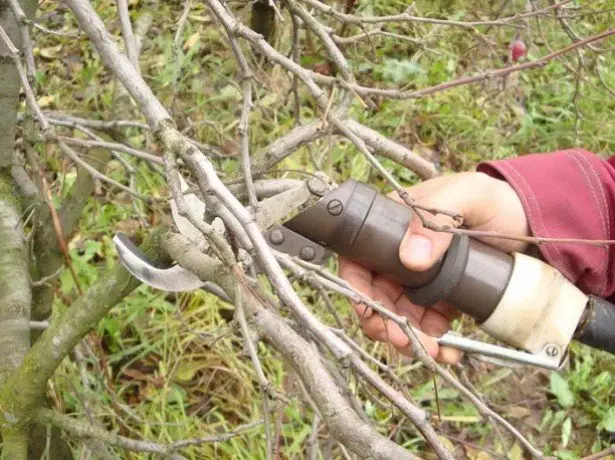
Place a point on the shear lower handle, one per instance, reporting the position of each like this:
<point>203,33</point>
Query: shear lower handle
<point>597,328</point>
<point>539,310</point>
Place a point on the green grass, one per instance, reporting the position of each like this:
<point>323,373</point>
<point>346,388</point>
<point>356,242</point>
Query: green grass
<point>171,368</point>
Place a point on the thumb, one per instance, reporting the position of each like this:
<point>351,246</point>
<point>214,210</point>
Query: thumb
<point>421,248</point>
<point>463,194</point>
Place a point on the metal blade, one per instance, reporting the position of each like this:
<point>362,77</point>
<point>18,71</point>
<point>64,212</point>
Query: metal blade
<point>281,207</point>
<point>171,279</point>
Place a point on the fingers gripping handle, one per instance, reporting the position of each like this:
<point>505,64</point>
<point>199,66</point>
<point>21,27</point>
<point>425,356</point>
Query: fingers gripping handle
<point>356,221</point>
<point>538,312</point>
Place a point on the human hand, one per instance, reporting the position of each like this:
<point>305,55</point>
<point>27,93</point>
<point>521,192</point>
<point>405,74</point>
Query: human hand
<point>486,204</point>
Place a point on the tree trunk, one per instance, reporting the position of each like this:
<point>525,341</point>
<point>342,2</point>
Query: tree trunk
<point>15,292</point>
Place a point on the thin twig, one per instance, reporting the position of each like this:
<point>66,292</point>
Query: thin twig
<point>483,76</point>
<point>405,17</point>
<point>116,146</point>
<point>243,126</point>
<point>46,30</point>
<point>27,46</point>
<point>57,223</point>
<point>69,152</point>
<point>39,325</point>
<point>181,24</point>
<point>69,121</point>
<point>265,386</point>
<point>601,454</point>
<point>129,39</point>
<point>83,430</point>
<point>45,279</point>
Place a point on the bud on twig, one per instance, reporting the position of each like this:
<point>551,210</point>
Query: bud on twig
<point>517,49</point>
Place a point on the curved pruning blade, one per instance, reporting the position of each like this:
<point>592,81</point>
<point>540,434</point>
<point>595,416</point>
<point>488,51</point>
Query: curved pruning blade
<point>172,279</point>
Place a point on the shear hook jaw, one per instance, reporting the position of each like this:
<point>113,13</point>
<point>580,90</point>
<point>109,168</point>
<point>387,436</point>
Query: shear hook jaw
<point>172,279</point>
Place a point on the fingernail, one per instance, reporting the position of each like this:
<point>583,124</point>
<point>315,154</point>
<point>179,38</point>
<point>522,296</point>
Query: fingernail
<point>416,249</point>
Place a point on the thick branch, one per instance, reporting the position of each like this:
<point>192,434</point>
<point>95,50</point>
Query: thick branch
<point>302,135</point>
<point>26,385</point>
<point>9,80</point>
<point>15,299</point>
<point>345,424</point>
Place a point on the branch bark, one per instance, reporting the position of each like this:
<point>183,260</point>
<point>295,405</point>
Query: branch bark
<point>344,423</point>
<point>49,257</point>
<point>15,303</point>
<point>284,146</point>
<point>15,293</point>
<point>25,387</point>
<point>82,429</point>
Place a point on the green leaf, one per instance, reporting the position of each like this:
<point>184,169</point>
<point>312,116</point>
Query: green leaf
<point>566,455</point>
<point>566,431</point>
<point>561,390</point>
<point>608,421</point>
<point>398,71</point>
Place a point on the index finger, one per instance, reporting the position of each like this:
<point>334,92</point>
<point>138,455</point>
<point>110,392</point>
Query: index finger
<point>361,279</point>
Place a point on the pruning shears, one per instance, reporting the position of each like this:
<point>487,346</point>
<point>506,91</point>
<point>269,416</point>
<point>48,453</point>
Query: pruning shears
<point>517,299</point>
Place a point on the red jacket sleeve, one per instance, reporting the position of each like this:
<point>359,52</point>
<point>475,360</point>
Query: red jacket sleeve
<point>568,194</point>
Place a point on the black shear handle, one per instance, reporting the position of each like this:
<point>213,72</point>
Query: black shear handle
<point>597,329</point>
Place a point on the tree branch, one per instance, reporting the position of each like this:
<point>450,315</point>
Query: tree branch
<point>26,386</point>
<point>129,38</point>
<point>81,429</point>
<point>15,303</point>
<point>345,425</point>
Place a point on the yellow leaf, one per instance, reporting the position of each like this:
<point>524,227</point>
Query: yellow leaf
<point>149,392</point>
<point>462,418</point>
<point>476,454</point>
<point>518,412</point>
<point>51,52</point>
<point>45,101</point>
<point>191,41</point>
<point>516,453</point>
<point>200,18</point>
<point>186,370</point>
<point>447,443</point>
